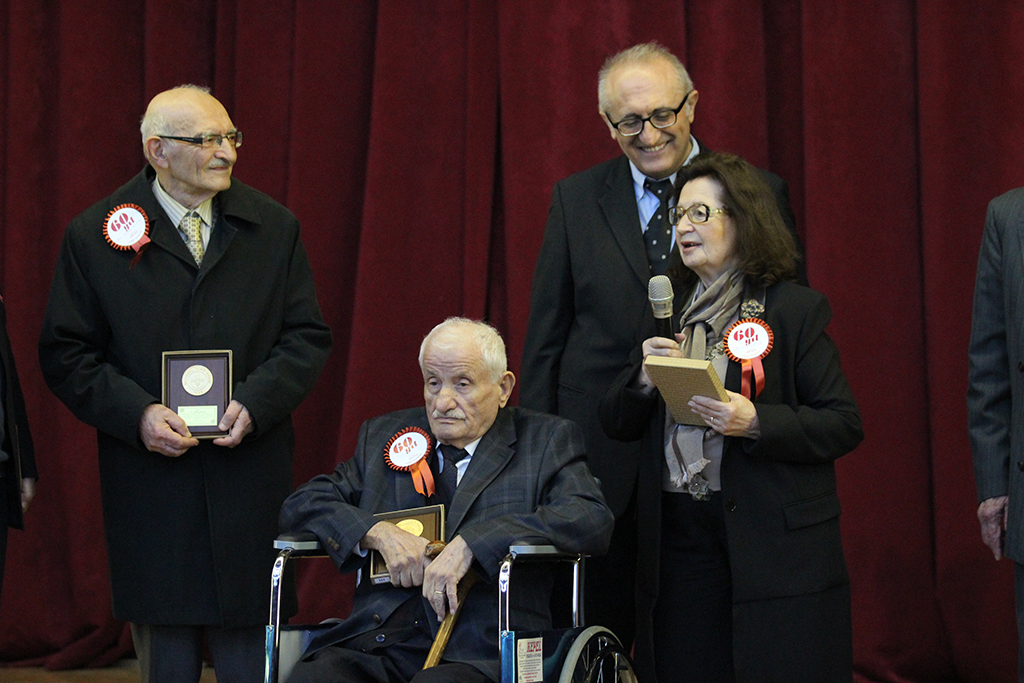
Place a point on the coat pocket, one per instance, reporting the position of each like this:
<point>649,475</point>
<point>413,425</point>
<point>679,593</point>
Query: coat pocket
<point>805,513</point>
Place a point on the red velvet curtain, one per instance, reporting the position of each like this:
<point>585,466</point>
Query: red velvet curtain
<point>418,142</point>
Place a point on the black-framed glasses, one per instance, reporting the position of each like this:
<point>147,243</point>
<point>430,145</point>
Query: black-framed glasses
<point>634,125</point>
<point>234,138</point>
<point>697,213</point>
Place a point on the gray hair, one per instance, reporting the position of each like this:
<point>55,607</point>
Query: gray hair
<point>489,341</point>
<point>644,53</point>
<point>155,123</point>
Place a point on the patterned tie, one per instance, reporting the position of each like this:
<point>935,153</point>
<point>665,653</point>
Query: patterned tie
<point>192,226</point>
<point>659,231</point>
<point>449,477</point>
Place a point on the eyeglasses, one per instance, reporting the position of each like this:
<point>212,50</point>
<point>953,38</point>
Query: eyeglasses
<point>634,125</point>
<point>234,138</point>
<point>698,213</point>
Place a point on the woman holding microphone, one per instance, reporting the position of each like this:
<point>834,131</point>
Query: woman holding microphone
<point>741,574</point>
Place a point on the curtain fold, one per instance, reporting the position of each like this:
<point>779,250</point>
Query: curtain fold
<point>418,144</point>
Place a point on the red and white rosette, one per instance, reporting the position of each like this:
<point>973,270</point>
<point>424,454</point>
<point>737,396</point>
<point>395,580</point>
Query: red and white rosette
<point>747,341</point>
<point>408,451</point>
<point>127,227</point>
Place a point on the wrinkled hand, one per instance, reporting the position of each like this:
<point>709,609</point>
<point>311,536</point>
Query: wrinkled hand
<point>738,417</point>
<point>236,422</point>
<point>402,551</point>
<point>442,576</point>
<point>658,346</point>
<point>992,515</point>
<point>163,431</point>
<point>28,492</point>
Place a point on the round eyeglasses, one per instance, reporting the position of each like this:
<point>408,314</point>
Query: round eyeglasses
<point>234,138</point>
<point>697,213</point>
<point>634,125</point>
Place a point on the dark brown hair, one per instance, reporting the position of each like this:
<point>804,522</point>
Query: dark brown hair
<point>767,251</point>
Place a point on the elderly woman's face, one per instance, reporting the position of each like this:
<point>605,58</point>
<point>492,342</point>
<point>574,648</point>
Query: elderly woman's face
<point>708,249</point>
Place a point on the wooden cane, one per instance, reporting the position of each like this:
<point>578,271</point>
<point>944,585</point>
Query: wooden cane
<point>444,631</point>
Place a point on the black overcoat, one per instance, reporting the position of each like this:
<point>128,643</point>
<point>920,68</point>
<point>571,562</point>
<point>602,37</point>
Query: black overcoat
<point>189,539</point>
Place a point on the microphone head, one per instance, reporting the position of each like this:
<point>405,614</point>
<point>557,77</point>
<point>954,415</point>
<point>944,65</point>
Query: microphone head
<point>659,292</point>
<point>659,288</point>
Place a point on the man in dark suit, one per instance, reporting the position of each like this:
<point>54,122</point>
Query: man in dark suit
<point>995,401</point>
<point>517,476</point>
<point>17,457</point>
<point>607,234</point>
<point>185,257</point>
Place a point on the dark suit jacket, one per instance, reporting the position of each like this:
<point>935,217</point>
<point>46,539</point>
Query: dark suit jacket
<point>995,394</point>
<point>589,310</point>
<point>527,481</point>
<point>189,539</point>
<point>779,492</point>
<point>21,463</point>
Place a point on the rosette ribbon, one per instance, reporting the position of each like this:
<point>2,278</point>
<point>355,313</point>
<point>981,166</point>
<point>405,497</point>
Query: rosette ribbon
<point>408,451</point>
<point>747,341</point>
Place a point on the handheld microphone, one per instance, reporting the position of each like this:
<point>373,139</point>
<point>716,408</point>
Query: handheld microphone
<point>659,292</point>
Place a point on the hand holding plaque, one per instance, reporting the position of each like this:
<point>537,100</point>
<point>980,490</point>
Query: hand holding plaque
<point>197,386</point>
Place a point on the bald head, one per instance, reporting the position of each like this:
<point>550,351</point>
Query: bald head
<point>189,172</point>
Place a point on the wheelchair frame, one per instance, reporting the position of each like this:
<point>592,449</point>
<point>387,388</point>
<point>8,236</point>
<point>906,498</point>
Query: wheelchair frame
<point>588,651</point>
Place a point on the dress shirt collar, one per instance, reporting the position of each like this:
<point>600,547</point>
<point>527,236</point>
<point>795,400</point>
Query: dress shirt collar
<point>639,178</point>
<point>175,211</point>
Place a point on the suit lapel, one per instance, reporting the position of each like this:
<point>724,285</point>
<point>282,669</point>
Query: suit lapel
<point>618,203</point>
<point>492,455</point>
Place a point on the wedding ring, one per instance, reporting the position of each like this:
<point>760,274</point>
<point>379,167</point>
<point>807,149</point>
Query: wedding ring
<point>712,419</point>
<point>439,591</point>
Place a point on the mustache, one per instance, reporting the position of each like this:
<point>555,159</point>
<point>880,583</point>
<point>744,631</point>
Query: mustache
<point>453,414</point>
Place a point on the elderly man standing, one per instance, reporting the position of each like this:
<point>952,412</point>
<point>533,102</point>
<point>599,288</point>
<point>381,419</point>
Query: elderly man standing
<point>607,233</point>
<point>184,257</point>
<point>515,475</point>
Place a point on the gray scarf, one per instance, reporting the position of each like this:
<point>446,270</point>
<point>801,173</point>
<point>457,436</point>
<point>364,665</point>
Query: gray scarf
<point>703,324</point>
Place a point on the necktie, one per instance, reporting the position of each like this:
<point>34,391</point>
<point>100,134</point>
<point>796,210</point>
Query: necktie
<point>449,477</point>
<point>192,226</point>
<point>659,231</point>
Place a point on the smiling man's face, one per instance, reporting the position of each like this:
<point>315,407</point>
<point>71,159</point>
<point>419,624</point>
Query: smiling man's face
<point>639,90</point>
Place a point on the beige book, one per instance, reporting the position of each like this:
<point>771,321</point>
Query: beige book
<point>680,379</point>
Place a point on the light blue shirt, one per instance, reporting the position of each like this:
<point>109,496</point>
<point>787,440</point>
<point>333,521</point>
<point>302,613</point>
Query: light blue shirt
<point>646,201</point>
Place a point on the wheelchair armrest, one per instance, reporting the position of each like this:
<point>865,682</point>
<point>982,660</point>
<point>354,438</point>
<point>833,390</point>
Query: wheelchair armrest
<point>540,552</point>
<point>300,544</point>
<point>527,551</point>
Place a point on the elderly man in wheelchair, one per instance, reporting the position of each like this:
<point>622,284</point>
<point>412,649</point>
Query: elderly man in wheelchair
<point>491,476</point>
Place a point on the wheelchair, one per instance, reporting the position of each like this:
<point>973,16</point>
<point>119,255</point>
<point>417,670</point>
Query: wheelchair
<point>570,655</point>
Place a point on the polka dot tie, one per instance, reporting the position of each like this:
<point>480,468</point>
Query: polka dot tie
<point>659,230</point>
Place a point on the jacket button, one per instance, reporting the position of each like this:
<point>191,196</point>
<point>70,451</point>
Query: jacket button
<point>376,618</point>
<point>1020,465</point>
<point>380,637</point>
<point>1020,366</point>
<point>730,505</point>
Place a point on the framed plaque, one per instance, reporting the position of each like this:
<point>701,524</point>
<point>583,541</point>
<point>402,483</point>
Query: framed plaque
<point>427,522</point>
<point>197,386</point>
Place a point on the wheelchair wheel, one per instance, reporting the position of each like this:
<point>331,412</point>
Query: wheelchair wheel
<point>597,657</point>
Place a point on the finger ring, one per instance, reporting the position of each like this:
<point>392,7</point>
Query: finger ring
<point>712,419</point>
<point>439,591</point>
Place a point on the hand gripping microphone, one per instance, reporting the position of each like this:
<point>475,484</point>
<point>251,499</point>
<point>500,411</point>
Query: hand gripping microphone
<point>659,292</point>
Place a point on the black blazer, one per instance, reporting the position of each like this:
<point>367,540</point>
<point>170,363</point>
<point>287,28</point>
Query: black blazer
<point>589,310</point>
<point>779,492</point>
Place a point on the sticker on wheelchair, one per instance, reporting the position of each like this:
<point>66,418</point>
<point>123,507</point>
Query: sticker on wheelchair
<point>530,660</point>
